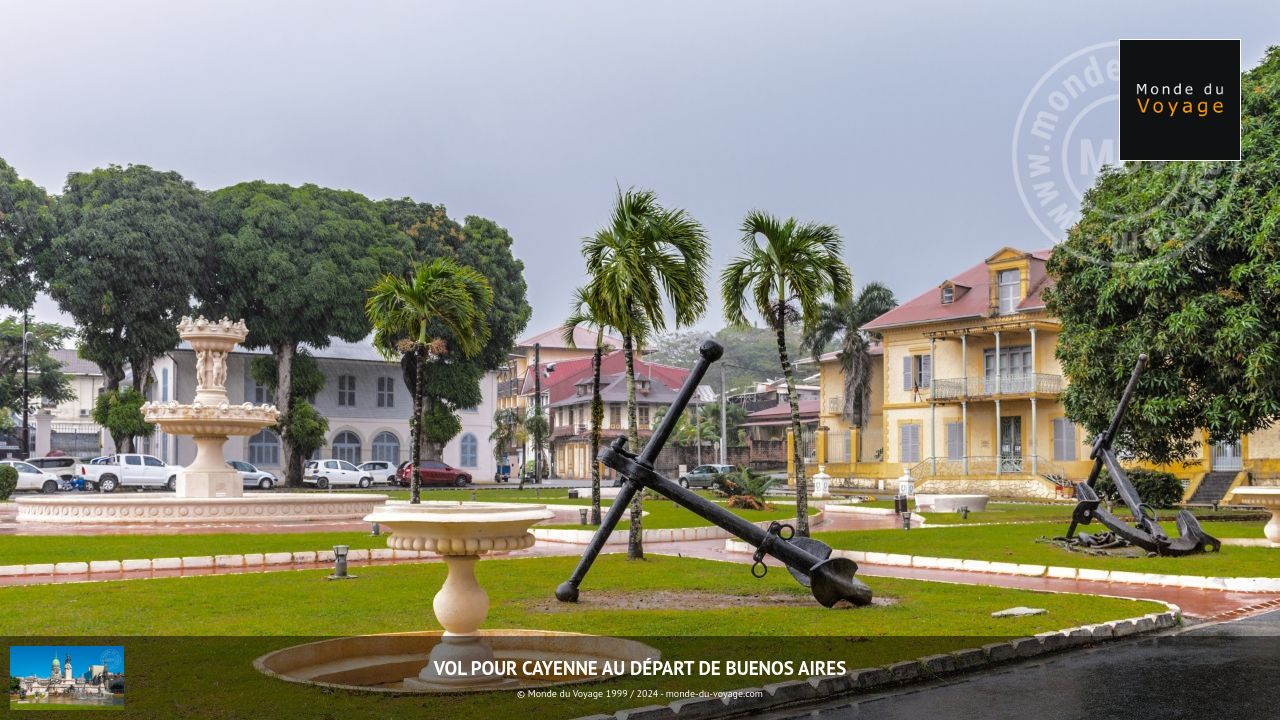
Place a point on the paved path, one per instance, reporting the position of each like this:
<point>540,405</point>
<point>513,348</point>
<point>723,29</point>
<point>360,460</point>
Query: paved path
<point>1209,672</point>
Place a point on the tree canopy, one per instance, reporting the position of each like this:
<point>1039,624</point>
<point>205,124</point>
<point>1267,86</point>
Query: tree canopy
<point>44,373</point>
<point>1180,261</point>
<point>26,224</point>
<point>131,245</point>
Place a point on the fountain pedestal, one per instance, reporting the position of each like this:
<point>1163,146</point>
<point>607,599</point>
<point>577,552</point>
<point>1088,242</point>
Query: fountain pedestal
<point>460,533</point>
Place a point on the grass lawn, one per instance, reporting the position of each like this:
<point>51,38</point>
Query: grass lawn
<point>1009,512</point>
<point>60,707</point>
<point>1018,543</point>
<point>663,514</point>
<point>243,616</point>
<point>30,549</point>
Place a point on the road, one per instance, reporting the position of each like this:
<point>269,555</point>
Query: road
<point>1212,672</point>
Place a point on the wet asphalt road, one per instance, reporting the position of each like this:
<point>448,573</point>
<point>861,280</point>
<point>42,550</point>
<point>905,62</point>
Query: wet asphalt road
<point>1220,672</point>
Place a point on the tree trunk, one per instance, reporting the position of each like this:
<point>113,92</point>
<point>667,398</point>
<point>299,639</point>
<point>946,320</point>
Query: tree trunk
<point>284,403</point>
<point>635,538</point>
<point>142,372</point>
<point>415,427</point>
<point>797,432</point>
<point>597,417</point>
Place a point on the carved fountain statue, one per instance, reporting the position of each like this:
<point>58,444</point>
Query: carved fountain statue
<point>208,490</point>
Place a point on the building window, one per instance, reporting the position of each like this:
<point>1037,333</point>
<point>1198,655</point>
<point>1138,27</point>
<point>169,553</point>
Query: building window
<point>386,392</point>
<point>264,448</point>
<point>955,441</point>
<point>164,385</point>
<point>346,446</point>
<point>615,416</point>
<point>1009,287</point>
<point>917,372</point>
<point>346,390</point>
<point>260,396</point>
<point>642,416</point>
<point>386,447</point>
<point>1064,439</point>
<point>468,447</point>
<point>948,295</point>
<point>909,443</point>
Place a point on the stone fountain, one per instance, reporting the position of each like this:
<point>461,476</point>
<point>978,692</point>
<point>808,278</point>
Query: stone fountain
<point>486,660</point>
<point>208,491</point>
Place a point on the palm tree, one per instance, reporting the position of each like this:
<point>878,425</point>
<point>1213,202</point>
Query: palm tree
<point>586,311</point>
<point>786,277</point>
<point>504,433</point>
<point>407,313</point>
<point>844,320</point>
<point>645,258</point>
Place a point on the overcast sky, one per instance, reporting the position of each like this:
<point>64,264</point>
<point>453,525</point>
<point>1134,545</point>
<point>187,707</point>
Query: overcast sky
<point>892,120</point>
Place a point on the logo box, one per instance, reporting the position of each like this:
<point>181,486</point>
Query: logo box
<point>1179,100</point>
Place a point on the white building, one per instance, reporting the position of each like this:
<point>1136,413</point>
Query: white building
<point>364,399</point>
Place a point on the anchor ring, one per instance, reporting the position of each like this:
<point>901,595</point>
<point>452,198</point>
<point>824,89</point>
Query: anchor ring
<point>764,570</point>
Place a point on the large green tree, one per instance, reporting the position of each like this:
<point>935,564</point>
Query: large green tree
<point>295,264</point>
<point>646,258</point>
<point>843,321</point>
<point>44,379</point>
<point>307,427</point>
<point>485,247</point>
<point>1180,261</point>
<point>404,311</point>
<point>785,271</point>
<point>26,224</point>
<point>132,243</point>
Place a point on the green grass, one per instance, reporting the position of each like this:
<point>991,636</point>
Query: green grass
<point>1011,512</point>
<point>30,549</point>
<point>664,514</point>
<point>1018,543</point>
<point>62,707</point>
<point>213,677</point>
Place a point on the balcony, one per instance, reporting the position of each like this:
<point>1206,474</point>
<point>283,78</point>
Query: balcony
<point>989,388</point>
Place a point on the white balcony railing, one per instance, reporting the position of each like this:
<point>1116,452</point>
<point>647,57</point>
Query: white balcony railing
<point>1020,384</point>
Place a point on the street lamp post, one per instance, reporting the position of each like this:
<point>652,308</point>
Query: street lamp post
<point>26,390</point>
<point>723,433</point>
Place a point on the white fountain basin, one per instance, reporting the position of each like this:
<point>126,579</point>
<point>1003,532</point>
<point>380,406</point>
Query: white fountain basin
<point>1266,497</point>
<point>168,508</point>
<point>459,528</point>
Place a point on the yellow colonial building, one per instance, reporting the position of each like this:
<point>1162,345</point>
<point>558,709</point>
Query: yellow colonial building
<point>965,398</point>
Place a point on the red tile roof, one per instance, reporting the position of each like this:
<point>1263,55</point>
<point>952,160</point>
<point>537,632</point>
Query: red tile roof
<point>782,412</point>
<point>559,383</point>
<point>971,303</point>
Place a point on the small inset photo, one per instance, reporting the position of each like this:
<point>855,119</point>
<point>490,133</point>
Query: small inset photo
<point>66,677</point>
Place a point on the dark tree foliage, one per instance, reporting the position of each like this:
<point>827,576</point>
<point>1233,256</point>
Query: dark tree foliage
<point>1180,261</point>
<point>45,378</point>
<point>120,412</point>
<point>26,224</point>
<point>131,245</point>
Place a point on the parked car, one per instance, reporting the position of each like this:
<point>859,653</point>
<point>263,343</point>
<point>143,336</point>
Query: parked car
<point>63,466</point>
<point>435,472</point>
<point>131,470</point>
<point>324,473</point>
<point>31,477</point>
<point>252,476</point>
<point>381,470</point>
<point>703,476</point>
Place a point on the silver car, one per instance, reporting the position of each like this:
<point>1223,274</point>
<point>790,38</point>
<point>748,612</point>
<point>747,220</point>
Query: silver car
<point>704,475</point>
<point>381,470</point>
<point>252,476</point>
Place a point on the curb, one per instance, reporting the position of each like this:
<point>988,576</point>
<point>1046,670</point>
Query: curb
<point>108,568</point>
<point>619,537</point>
<point>751,701</point>
<point>1232,584</point>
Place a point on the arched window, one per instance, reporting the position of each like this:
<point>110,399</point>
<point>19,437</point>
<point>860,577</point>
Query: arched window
<point>264,448</point>
<point>386,446</point>
<point>468,451</point>
<point>346,446</point>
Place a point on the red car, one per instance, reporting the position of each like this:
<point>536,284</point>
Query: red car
<point>434,472</point>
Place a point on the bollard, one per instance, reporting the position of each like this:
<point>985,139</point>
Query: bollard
<point>964,512</point>
<point>376,531</point>
<point>906,520</point>
<point>583,515</point>
<point>473,495</point>
<point>340,563</point>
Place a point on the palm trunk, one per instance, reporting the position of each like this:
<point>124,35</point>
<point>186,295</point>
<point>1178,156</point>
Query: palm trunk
<point>597,417</point>
<point>802,492</point>
<point>415,426</point>
<point>284,402</point>
<point>635,544</point>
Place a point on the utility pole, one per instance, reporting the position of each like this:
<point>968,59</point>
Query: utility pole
<point>724,436</point>
<point>26,390</point>
<point>697,429</point>
<point>537,409</point>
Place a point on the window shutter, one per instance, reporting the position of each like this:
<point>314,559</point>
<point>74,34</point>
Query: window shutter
<point>906,372</point>
<point>926,371</point>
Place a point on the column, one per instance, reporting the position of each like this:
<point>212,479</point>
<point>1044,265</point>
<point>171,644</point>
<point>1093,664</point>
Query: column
<point>997,393</point>
<point>964,402</point>
<point>821,441</point>
<point>964,432</point>
<point>933,407</point>
<point>791,458</point>
<point>1034,446</point>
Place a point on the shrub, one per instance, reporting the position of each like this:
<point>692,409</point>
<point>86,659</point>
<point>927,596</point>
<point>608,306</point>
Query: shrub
<point>8,481</point>
<point>744,490</point>
<point>1156,488</point>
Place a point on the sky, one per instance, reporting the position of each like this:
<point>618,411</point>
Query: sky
<point>894,121</point>
<point>37,660</point>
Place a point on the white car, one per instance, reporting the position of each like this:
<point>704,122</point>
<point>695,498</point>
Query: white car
<point>252,476</point>
<point>324,473</point>
<point>31,477</point>
<point>381,470</point>
<point>130,470</point>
